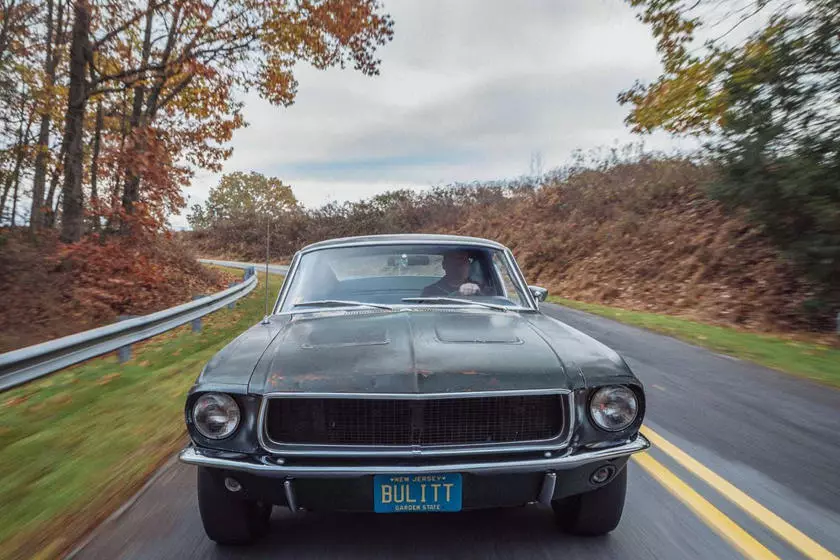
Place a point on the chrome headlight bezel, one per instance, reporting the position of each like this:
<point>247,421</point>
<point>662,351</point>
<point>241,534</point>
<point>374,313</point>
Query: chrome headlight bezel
<point>614,397</point>
<point>226,411</point>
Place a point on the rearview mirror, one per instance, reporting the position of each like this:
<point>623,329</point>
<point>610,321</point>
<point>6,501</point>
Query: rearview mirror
<point>540,294</point>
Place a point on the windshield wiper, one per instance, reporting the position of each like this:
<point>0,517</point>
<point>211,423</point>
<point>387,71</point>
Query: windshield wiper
<point>338,302</point>
<point>435,299</point>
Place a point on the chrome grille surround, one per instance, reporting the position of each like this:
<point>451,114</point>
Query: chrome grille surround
<point>554,443</point>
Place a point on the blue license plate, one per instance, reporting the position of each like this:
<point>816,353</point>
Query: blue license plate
<point>400,493</point>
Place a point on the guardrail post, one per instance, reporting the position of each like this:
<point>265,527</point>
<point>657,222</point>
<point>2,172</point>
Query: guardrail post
<point>124,352</point>
<point>232,304</point>
<point>250,271</point>
<point>196,323</point>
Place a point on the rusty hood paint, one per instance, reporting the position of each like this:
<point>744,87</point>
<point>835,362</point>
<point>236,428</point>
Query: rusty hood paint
<point>416,351</point>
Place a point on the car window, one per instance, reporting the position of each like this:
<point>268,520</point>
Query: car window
<point>512,292</point>
<point>386,264</point>
<point>390,273</point>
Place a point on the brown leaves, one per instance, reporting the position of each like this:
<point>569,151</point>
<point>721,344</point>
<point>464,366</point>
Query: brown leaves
<point>89,284</point>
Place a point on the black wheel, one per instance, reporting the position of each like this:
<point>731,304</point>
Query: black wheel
<point>593,513</point>
<point>228,519</point>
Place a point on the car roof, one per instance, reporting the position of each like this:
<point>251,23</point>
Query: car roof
<point>391,239</point>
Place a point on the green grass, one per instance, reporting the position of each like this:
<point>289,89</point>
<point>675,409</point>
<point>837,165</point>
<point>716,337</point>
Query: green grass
<point>820,362</point>
<point>75,445</point>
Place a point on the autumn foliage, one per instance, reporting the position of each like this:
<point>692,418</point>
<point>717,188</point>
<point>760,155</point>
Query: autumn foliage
<point>49,289</point>
<point>110,107</point>
<point>107,110</point>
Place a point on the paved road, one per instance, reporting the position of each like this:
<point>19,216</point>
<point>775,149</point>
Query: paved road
<point>775,437</point>
<point>272,268</point>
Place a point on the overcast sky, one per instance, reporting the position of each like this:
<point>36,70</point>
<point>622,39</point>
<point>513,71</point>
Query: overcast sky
<point>468,90</point>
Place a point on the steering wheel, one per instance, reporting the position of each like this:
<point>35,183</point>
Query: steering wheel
<point>457,293</point>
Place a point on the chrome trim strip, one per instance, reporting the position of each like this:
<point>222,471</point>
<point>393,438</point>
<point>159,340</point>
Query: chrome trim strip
<point>474,241</point>
<point>193,456</point>
<point>416,396</point>
<point>398,307</point>
<point>287,281</point>
<point>547,489</point>
<point>320,450</point>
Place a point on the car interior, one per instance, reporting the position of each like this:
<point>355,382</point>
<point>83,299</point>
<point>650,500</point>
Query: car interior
<point>400,276</point>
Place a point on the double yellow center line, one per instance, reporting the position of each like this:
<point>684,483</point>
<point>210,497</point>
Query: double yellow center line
<point>712,516</point>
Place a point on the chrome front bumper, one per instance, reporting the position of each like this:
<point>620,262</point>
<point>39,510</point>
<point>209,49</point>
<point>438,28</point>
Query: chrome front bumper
<point>268,467</point>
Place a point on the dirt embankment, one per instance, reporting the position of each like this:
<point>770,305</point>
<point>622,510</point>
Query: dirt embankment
<point>640,235</point>
<point>49,290</point>
<point>645,237</point>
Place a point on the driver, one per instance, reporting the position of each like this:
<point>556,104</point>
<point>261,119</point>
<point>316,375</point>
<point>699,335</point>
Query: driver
<point>456,265</point>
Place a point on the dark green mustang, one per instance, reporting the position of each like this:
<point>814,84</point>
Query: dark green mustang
<point>411,373</point>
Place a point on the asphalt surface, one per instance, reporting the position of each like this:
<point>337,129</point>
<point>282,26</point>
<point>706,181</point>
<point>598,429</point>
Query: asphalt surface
<point>260,267</point>
<point>775,437</point>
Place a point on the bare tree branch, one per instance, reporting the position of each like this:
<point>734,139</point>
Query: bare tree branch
<point>137,17</point>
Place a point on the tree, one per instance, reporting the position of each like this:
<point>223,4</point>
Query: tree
<point>53,41</point>
<point>773,104</point>
<point>72,215</point>
<point>689,96</point>
<point>181,62</point>
<point>244,197</point>
<point>17,42</point>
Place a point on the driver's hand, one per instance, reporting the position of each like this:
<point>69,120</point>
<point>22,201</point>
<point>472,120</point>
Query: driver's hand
<point>469,289</point>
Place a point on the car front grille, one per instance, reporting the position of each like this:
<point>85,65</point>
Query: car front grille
<point>414,422</point>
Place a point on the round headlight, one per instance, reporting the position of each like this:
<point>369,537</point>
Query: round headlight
<point>215,415</point>
<point>613,408</point>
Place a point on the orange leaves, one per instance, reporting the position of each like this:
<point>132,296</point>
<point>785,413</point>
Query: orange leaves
<point>278,84</point>
<point>322,32</point>
<point>166,75</point>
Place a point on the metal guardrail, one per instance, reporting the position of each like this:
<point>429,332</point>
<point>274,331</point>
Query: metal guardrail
<point>26,364</point>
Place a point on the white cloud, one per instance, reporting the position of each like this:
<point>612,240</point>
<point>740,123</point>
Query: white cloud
<point>468,90</point>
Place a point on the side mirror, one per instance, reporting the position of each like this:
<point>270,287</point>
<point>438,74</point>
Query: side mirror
<point>540,294</point>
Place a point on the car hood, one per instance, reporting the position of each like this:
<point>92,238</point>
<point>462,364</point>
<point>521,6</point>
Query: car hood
<point>416,351</point>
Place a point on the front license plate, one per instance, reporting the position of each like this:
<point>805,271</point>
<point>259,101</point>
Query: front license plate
<point>396,493</point>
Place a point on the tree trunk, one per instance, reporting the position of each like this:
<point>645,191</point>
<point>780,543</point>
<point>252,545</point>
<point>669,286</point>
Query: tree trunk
<point>49,216</point>
<point>73,204</point>
<point>7,186</point>
<point>131,189</point>
<point>16,173</point>
<point>56,208</point>
<point>20,153</point>
<point>94,167</point>
<point>16,179</point>
<point>39,179</point>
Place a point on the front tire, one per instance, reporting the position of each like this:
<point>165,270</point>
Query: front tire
<point>228,519</point>
<point>593,513</point>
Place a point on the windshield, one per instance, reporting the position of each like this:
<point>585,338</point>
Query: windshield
<point>404,275</point>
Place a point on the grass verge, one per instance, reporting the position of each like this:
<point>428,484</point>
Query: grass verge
<point>76,445</point>
<point>813,360</point>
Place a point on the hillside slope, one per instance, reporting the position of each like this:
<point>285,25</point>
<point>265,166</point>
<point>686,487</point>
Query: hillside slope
<point>644,236</point>
<point>640,235</point>
<point>49,290</point>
